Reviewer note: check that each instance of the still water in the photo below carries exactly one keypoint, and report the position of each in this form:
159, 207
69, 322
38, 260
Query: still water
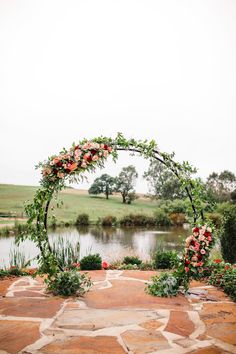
111, 243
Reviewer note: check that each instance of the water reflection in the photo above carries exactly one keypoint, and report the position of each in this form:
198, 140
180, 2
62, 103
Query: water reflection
112, 243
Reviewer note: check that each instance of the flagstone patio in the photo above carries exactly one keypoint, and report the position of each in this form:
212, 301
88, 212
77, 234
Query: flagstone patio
115, 317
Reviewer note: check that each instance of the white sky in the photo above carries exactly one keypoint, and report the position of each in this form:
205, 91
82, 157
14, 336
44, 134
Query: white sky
163, 70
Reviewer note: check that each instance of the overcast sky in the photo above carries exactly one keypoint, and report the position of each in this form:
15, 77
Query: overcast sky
163, 70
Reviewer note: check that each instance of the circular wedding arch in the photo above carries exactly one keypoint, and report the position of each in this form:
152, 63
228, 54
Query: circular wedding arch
87, 155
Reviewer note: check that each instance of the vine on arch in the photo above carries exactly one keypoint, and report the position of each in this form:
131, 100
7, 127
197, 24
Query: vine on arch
87, 155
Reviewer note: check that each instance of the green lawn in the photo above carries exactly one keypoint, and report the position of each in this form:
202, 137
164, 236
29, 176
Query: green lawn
75, 202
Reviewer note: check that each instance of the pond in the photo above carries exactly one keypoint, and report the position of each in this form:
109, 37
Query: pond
111, 243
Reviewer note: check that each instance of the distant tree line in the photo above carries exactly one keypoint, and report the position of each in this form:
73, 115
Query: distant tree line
163, 184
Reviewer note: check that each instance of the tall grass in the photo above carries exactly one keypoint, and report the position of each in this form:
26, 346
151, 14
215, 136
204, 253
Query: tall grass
65, 251
17, 258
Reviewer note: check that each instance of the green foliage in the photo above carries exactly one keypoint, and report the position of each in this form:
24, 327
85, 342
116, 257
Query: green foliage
82, 219
137, 220
109, 220
223, 275
165, 259
221, 185
146, 266
15, 271
228, 237
69, 283
132, 260
3, 273
131, 197
215, 218
163, 183
162, 218
233, 196
129, 266
165, 285
91, 262
125, 183
104, 184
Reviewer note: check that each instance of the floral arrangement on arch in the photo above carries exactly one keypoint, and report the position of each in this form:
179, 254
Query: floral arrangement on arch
77, 159
197, 249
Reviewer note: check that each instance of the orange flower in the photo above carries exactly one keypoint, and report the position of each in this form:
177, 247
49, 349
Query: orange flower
72, 167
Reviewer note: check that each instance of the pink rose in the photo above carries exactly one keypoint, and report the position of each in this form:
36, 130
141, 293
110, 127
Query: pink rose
60, 174
105, 153
105, 265
203, 251
186, 269
84, 165
194, 258
95, 158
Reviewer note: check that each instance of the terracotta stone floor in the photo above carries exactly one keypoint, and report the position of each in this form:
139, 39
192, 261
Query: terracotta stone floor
115, 317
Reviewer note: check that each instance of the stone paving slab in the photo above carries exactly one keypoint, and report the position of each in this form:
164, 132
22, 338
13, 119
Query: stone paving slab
180, 323
16, 335
131, 294
30, 307
116, 316
141, 342
4, 285
94, 319
84, 345
209, 350
136, 274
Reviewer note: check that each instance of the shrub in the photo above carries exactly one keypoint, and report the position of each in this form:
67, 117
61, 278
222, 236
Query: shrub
162, 218
228, 236
216, 219
173, 206
15, 271
131, 197
165, 285
177, 219
69, 283
108, 220
3, 273
129, 266
177, 206
137, 220
132, 260
91, 262
165, 259
146, 266
223, 275
82, 219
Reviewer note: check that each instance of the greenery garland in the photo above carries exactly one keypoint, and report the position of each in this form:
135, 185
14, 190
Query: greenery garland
85, 156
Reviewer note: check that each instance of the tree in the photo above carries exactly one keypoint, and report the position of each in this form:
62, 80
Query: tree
125, 183
221, 185
104, 184
162, 182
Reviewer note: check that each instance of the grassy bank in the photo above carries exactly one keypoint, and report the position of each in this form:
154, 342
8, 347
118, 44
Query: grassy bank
12, 198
